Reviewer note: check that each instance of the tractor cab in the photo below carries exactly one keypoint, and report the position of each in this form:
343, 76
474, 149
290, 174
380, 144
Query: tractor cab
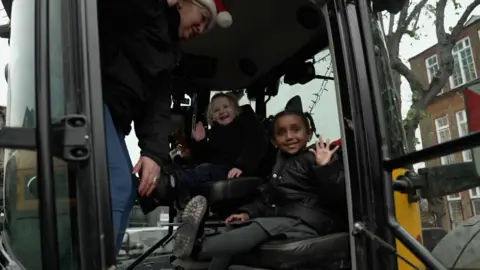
326, 57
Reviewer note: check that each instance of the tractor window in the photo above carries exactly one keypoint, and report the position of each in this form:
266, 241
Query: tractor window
432, 109
22, 225
318, 97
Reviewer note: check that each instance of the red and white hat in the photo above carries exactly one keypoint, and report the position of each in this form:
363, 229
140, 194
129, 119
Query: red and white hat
220, 15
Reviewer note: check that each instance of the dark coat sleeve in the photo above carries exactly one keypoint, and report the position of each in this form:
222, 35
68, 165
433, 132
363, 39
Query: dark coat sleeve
258, 207
200, 150
153, 130
254, 147
254, 210
331, 177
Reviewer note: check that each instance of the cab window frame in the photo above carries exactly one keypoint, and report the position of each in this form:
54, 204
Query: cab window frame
70, 64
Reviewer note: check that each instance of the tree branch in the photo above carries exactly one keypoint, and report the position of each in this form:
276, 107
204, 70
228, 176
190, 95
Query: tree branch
463, 19
400, 67
402, 17
415, 24
444, 48
404, 22
440, 22
391, 23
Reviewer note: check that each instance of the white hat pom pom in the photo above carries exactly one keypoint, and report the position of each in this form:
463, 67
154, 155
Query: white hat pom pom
224, 19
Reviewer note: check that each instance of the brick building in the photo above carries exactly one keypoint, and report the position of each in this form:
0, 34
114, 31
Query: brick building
446, 118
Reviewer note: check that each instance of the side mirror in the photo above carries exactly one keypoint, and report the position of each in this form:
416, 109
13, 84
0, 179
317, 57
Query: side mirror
301, 73
272, 88
5, 31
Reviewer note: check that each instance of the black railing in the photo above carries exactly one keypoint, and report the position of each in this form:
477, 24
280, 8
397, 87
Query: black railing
436, 151
46, 185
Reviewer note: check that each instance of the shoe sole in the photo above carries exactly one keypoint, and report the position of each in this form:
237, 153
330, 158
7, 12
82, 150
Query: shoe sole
186, 234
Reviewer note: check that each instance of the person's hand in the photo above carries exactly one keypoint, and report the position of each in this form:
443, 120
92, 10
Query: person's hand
237, 217
149, 173
322, 152
198, 133
234, 173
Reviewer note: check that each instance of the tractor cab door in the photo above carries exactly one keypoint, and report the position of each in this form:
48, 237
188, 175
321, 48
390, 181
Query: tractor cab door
57, 203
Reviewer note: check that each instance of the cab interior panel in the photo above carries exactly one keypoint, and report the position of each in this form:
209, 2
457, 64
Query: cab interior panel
249, 50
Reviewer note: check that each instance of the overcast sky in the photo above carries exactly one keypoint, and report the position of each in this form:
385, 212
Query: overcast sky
325, 113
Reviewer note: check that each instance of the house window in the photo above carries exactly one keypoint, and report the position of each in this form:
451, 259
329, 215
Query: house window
475, 198
464, 65
455, 210
443, 135
432, 67
462, 131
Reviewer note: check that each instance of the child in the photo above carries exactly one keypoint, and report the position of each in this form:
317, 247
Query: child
305, 198
235, 146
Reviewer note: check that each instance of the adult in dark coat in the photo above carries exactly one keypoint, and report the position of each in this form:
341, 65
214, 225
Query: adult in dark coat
140, 45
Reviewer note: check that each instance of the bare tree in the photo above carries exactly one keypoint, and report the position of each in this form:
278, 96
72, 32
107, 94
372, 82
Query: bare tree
407, 23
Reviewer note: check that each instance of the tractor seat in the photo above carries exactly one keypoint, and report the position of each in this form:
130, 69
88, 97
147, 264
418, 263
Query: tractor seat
325, 252
293, 253
229, 189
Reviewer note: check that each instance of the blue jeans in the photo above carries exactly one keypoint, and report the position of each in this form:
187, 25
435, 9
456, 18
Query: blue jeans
200, 175
122, 186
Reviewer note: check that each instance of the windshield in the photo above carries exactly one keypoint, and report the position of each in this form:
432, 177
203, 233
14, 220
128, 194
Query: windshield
434, 88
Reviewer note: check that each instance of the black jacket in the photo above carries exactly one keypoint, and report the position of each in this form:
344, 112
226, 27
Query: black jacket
302, 190
139, 47
241, 144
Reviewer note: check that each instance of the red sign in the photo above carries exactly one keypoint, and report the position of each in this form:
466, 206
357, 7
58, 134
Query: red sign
472, 104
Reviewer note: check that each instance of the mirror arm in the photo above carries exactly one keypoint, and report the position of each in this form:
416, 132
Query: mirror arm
409, 183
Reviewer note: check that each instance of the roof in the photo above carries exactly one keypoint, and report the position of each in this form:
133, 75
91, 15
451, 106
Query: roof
471, 21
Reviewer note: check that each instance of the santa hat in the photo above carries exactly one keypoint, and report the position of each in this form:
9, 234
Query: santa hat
220, 15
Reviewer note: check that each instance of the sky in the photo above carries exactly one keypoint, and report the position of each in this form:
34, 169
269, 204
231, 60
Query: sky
325, 113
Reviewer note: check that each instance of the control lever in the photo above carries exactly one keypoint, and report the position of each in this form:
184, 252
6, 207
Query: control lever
359, 228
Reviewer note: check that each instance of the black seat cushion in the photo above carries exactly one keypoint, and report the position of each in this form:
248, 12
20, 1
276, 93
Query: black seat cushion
230, 189
293, 253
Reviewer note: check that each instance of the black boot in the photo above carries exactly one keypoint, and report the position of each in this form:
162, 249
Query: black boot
163, 195
188, 233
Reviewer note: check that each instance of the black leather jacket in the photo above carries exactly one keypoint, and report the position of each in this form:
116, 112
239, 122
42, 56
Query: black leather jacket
303, 190
139, 47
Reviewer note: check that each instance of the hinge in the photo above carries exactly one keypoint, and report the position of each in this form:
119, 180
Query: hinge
76, 138
70, 138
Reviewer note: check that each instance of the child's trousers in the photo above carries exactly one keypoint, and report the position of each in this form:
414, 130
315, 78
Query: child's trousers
224, 246
200, 175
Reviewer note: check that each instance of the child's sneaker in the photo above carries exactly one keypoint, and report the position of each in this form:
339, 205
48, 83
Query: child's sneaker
186, 234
